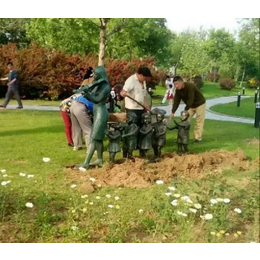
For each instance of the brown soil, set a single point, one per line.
(140, 174)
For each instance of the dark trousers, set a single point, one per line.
(11, 91)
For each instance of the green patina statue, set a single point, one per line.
(130, 136)
(97, 92)
(159, 135)
(146, 133)
(183, 132)
(114, 135)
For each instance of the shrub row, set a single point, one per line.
(60, 73)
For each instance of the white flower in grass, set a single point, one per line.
(202, 217)
(176, 195)
(92, 179)
(227, 234)
(159, 182)
(97, 197)
(82, 169)
(5, 175)
(197, 206)
(111, 206)
(91, 203)
(185, 198)
(174, 202)
(29, 205)
(208, 216)
(140, 211)
(179, 212)
(84, 196)
(189, 201)
(168, 193)
(30, 176)
(213, 233)
(73, 186)
(74, 228)
(237, 210)
(219, 199)
(213, 201)
(8, 182)
(117, 207)
(3, 171)
(108, 196)
(239, 233)
(22, 174)
(3, 183)
(171, 188)
(46, 159)
(226, 200)
(192, 210)
(84, 210)
(184, 214)
(116, 198)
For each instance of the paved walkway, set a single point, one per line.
(209, 114)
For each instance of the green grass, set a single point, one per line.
(61, 214)
(246, 108)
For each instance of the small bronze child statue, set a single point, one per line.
(114, 135)
(183, 132)
(159, 135)
(130, 136)
(146, 133)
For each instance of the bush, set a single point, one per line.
(227, 83)
(253, 83)
(197, 80)
(213, 77)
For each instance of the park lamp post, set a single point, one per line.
(238, 99)
(256, 92)
(243, 91)
(257, 115)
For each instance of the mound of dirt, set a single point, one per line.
(140, 174)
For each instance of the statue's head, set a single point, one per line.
(131, 118)
(146, 118)
(184, 115)
(159, 117)
(100, 73)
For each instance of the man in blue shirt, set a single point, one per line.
(12, 87)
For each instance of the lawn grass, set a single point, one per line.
(64, 214)
(246, 108)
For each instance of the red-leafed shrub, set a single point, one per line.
(227, 83)
(41, 69)
(198, 82)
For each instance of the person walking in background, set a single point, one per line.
(170, 94)
(195, 104)
(12, 87)
(167, 83)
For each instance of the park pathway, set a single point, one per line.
(209, 114)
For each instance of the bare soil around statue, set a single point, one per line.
(141, 174)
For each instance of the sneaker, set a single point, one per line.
(69, 144)
(77, 148)
(19, 108)
(1, 106)
(197, 141)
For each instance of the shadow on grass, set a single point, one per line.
(37, 130)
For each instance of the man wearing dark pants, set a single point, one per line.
(12, 87)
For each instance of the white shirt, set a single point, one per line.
(168, 82)
(136, 90)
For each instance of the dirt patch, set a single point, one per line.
(140, 174)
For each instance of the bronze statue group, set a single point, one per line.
(150, 135)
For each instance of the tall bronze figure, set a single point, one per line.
(130, 136)
(159, 135)
(183, 132)
(146, 132)
(97, 92)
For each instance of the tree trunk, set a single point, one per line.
(102, 44)
(244, 71)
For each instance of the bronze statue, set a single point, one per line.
(183, 132)
(130, 136)
(114, 135)
(159, 135)
(146, 132)
(97, 92)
